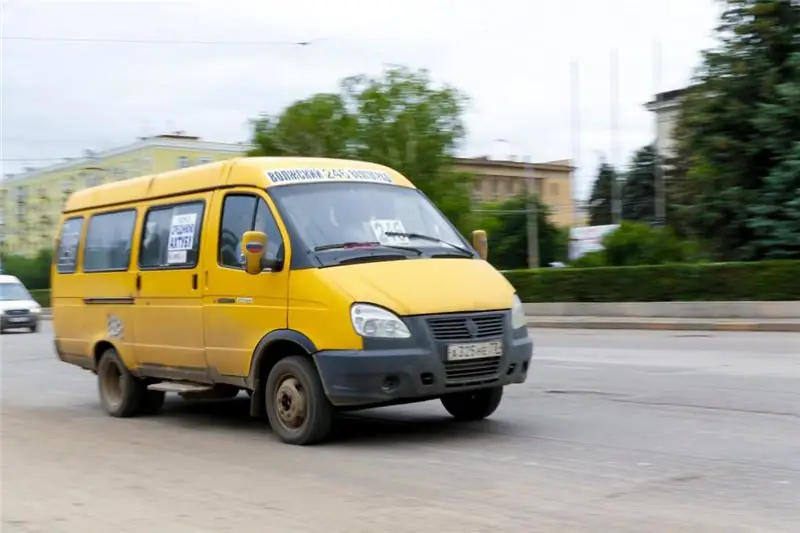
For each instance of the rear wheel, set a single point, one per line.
(121, 393)
(297, 408)
(473, 405)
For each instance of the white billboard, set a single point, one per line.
(587, 239)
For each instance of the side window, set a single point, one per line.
(108, 241)
(68, 242)
(237, 217)
(171, 236)
(266, 223)
(241, 213)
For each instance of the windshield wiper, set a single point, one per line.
(364, 244)
(422, 237)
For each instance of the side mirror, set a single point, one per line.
(481, 243)
(254, 246)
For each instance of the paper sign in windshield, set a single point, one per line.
(383, 226)
(181, 237)
(302, 175)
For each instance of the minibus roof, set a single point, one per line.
(261, 172)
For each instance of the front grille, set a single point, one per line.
(470, 371)
(467, 327)
(17, 312)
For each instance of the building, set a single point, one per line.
(666, 107)
(31, 202)
(502, 180)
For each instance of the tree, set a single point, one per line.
(638, 190)
(508, 234)
(600, 213)
(737, 136)
(33, 272)
(399, 119)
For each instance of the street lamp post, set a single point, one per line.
(531, 211)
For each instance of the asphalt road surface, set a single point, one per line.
(616, 432)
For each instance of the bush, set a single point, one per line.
(634, 243)
(33, 272)
(762, 281)
(42, 297)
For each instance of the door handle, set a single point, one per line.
(194, 281)
(138, 282)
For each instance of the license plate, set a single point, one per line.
(17, 319)
(465, 352)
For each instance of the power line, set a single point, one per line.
(31, 159)
(213, 42)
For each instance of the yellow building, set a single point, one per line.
(31, 202)
(502, 180)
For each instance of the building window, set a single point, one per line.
(93, 181)
(108, 241)
(183, 162)
(554, 189)
(204, 160)
(172, 236)
(22, 194)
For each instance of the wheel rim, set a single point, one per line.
(291, 403)
(111, 385)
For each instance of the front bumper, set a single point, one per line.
(389, 371)
(28, 320)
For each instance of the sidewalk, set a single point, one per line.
(679, 324)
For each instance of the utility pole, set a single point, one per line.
(575, 129)
(532, 216)
(658, 168)
(616, 197)
(531, 209)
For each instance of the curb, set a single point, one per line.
(651, 325)
(666, 325)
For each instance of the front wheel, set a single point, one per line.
(473, 405)
(297, 408)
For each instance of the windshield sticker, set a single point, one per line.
(301, 175)
(383, 226)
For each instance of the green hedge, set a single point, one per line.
(764, 281)
(42, 297)
(761, 281)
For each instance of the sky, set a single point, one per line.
(513, 58)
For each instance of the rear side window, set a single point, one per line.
(108, 241)
(68, 242)
(171, 236)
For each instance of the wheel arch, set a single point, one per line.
(273, 347)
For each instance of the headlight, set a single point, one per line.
(372, 321)
(36, 310)
(518, 319)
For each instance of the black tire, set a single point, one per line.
(34, 328)
(121, 394)
(294, 379)
(153, 402)
(473, 405)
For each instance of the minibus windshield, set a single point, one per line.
(13, 291)
(326, 214)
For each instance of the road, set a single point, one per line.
(617, 431)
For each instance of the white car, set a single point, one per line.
(18, 309)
